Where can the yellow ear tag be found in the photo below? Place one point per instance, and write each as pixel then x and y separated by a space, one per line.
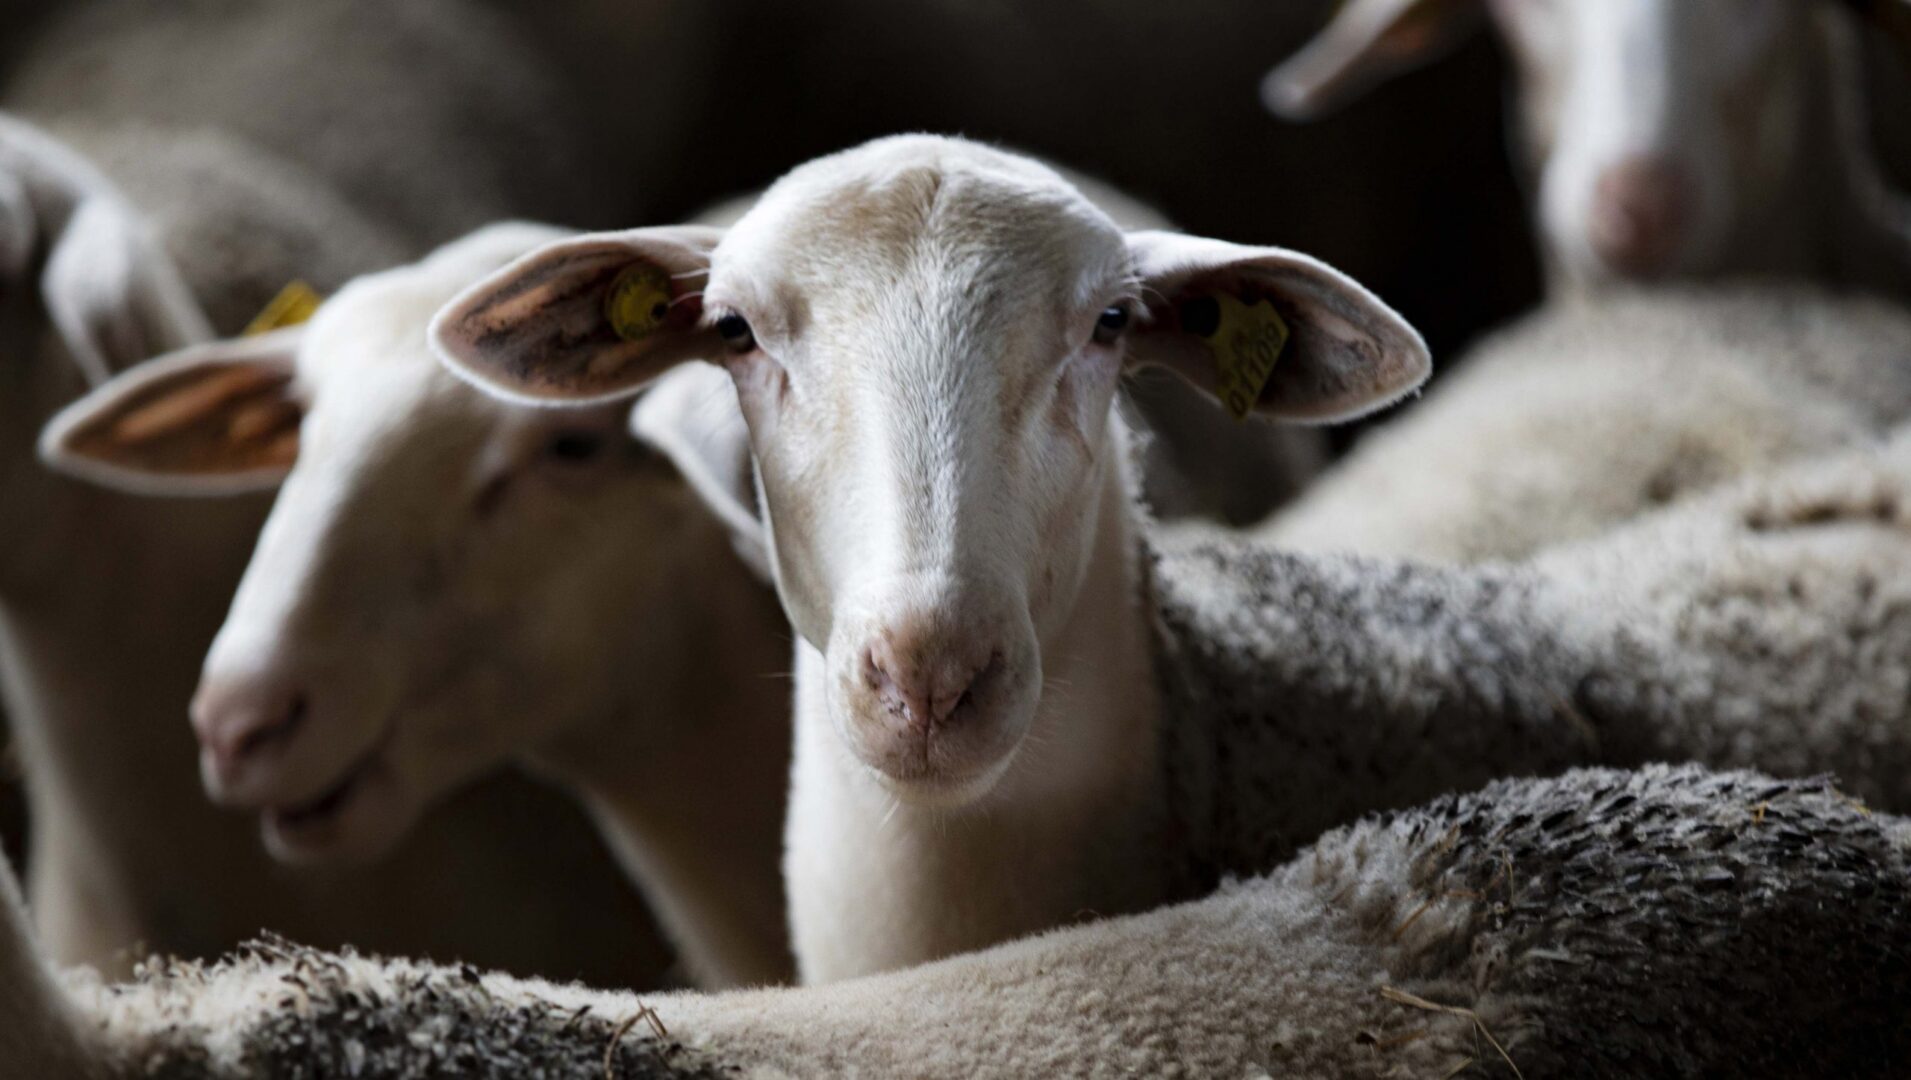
pixel 1246 338
pixel 294 304
pixel 638 301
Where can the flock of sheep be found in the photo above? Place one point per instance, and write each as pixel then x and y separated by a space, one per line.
pixel 818 550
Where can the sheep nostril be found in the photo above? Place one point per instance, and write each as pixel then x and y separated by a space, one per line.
pixel 271 731
pixel 1641 211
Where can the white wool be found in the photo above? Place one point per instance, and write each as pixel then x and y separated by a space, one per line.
pixel 1588 414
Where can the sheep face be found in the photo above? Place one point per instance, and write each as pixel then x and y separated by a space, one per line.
pixel 929 386
pixel 925 336
pixel 1662 135
pixel 1659 129
pixel 428 598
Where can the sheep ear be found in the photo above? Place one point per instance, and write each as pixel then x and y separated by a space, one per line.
pixel 219 419
pixel 691 416
pixel 583 320
pixel 1270 331
pixel 110 291
pixel 1367 43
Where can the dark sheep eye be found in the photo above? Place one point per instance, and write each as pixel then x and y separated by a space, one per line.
pixel 736 333
pixel 1112 322
pixel 575 446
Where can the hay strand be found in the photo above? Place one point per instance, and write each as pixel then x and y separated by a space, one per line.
pixel 1401 997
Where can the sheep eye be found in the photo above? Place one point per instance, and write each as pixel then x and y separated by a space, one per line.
pixel 574 447
pixel 736 333
pixel 1112 322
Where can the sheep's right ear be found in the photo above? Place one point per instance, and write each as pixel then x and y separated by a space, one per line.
pixel 692 417
pixel 583 320
pixel 1367 43
pixel 219 419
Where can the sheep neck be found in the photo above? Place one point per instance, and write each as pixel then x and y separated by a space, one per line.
pixel 138 593
pixel 693 807
pixel 1070 832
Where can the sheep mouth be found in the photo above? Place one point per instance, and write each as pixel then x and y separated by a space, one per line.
pixel 324 808
pixel 347 820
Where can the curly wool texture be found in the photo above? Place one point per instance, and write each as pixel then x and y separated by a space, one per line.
pixel 1603 923
pixel 1591 412
pixel 1765 626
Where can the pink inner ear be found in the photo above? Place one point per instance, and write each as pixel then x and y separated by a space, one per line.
pixel 1344 354
pixel 561 326
pixel 1197 311
pixel 205 421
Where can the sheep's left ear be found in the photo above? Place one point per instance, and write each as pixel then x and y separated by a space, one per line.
pixel 1270 331
pixel 1368 42
pixel 218 419
pixel 691 416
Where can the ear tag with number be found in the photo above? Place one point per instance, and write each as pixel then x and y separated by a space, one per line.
pixel 638 301
pixel 1246 337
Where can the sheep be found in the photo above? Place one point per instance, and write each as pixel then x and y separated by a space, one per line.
pixel 1595 409
pixel 1665 138
pixel 167 169
pixel 1666 922
pixel 1589 413
pixel 1007 711
pixel 447 581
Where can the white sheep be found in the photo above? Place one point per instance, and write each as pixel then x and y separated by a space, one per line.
pixel 1665 137
pixel 1665 922
pixel 185 162
pixel 1591 412
pixel 448 581
pixel 1009 713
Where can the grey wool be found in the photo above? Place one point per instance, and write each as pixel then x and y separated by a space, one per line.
pixel 1669 921
pixel 1766 625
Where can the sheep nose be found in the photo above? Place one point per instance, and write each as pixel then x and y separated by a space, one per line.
pixel 1641 209
pixel 925 687
pixel 241 723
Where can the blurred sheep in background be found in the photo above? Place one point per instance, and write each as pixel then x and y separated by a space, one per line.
pixel 190 161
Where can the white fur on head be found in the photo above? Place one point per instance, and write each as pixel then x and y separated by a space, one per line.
pixel 1690 111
